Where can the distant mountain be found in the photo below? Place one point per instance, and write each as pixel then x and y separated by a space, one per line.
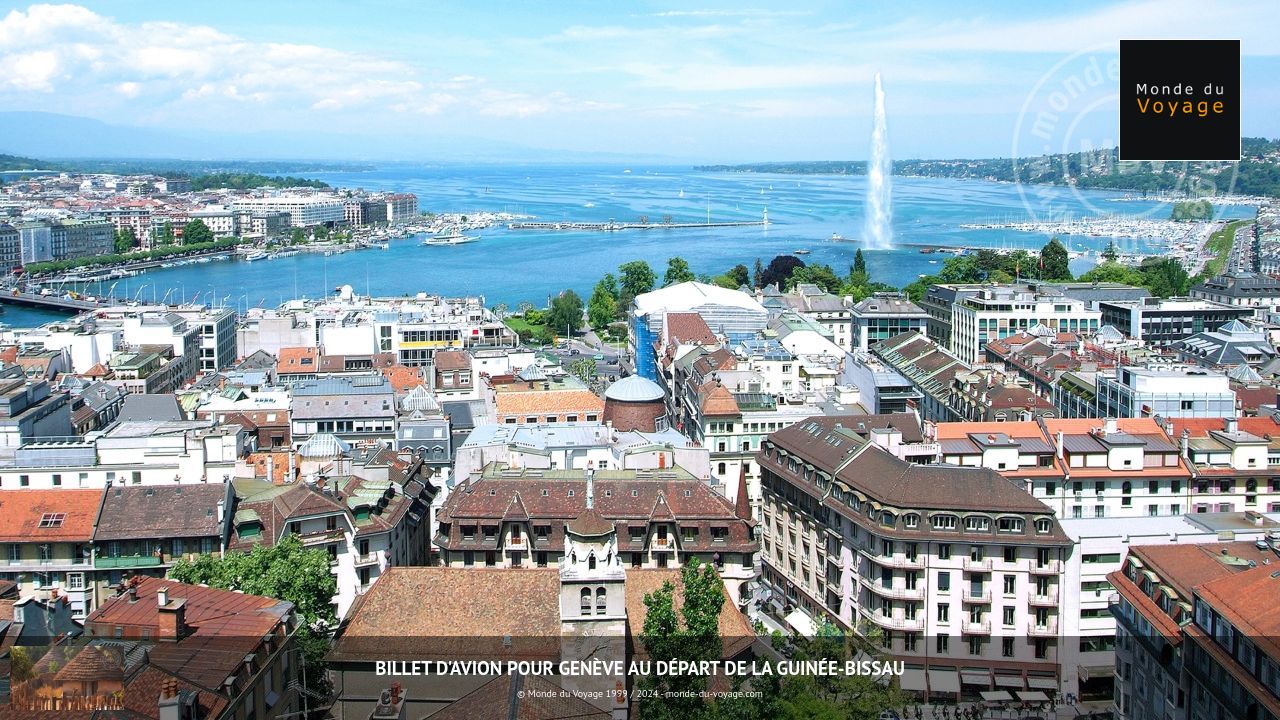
pixel 1257 173
pixel 54 136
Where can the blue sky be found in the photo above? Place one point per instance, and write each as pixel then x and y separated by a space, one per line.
pixel 689 80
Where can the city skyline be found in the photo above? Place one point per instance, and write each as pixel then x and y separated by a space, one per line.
pixel 664 82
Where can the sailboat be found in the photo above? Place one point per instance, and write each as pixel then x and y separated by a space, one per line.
pixel 681 192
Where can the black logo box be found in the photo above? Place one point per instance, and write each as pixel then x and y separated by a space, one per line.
pixel 1180 65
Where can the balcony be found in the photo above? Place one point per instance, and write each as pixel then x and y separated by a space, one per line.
pixel 1048 628
pixel 896 593
pixel 982 627
pixel 128 561
pixel 893 561
pixel 517 543
pixel 324 537
pixel 972 565
pixel 1052 567
pixel 50 564
pixel 368 559
pixel 976 596
pixel 897 623
pixel 663 544
pixel 1043 600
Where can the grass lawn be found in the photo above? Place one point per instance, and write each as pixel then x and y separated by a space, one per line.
pixel 1220 245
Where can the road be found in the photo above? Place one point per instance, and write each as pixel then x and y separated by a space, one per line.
pixel 608 366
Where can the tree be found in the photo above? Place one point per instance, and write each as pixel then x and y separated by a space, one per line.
pixel 584 368
pixel 196 232
pixel 677 272
pixel 739 275
pixel 125 241
pixel 166 235
pixel 1110 254
pixel 859 262
pixel 297 236
pixel 837 695
pixel 779 271
pixel 523 308
pixel 501 310
pixel 321 232
pixel 286 571
pixel 697 640
pixel 821 275
pixel 1165 277
pixel 637 278
pixel 21 668
pixel 757 274
pixel 1113 272
pixel 1054 261
pixel 565 313
pixel 602 308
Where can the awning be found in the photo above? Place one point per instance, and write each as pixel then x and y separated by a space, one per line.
pixel 801 623
pixel 1044 683
pixel 1033 696
pixel 912 678
pixel 944 681
pixel 975 677
pixel 1095 671
pixel 996 696
pixel 1014 681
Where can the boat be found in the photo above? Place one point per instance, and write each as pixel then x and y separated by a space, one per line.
pixel 836 237
pixel 451 238
pixel 928 250
pixel 802 252
pixel 589 205
pixel 255 255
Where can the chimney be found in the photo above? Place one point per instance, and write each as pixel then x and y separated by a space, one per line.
pixel 1232 424
pixel 133 594
pixel 1058 450
pixel 1185 443
pixel 391 704
pixel 591 487
pixel 162 596
pixel 173 620
pixel 1110 426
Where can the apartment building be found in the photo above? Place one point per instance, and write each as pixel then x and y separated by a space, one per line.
pixel 957 567
pixel 48 540
pixel 401 207
pixel 10 248
pixel 1163 390
pixel 30 410
pixel 1255 291
pixel 1195 629
pixel 815 304
pixel 882 316
pixel 352 408
pixel 304 210
pixel 996 312
pixel 1163 321
pixel 929 367
pixel 517 517
pixel 1235 463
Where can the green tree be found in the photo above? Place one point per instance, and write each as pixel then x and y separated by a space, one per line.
pixel 821 275
pixel 1165 277
pixel 779 271
pixel 1111 254
pixel 637 278
pixel 859 262
pixel 677 272
pixel 602 308
pixel 125 241
pixel 565 313
pixel 501 310
pixel 321 232
pixel 196 232
pixel 757 274
pixel 297 236
pixel 21 667
pixel 1054 261
pixel 286 571
pixel 838 695
pixel 739 275
pixel 665 637
pixel 166 235
pixel 584 368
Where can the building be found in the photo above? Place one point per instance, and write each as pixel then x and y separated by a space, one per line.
pixel 828 310
pixel 1164 321
pixel 10 248
pixel 635 403
pixel 264 223
pixel 304 210
pixel 47 537
pixel 1260 293
pixel 880 388
pixel 1195 629
pixel 997 312
pixel 65 239
pixel 30 410
pixel 929 367
pixel 1235 463
pixel 401 207
pixel 724 311
pixel 352 408
pixel 1229 346
pixel 531 397
pixel 517 517
pixel 222 222
pixel 882 316
pixel 958 568
pixel 366 523
pixel 451 374
pixel 1164 390
pixel 133 216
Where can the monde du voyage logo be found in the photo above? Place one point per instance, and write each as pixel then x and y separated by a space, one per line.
pixel 1180 100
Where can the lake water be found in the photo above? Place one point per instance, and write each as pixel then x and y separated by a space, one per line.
pixel 515 265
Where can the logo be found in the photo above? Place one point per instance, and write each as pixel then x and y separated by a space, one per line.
pixel 1180 100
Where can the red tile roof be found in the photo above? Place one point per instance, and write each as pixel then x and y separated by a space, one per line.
pixel 452 360
pixel 684 328
pixel 1200 427
pixel 60 515
pixel 298 360
pixel 403 378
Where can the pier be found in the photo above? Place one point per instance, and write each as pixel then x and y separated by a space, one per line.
pixel 612 226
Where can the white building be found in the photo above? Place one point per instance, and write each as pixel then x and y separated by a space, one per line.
pixel 304 210
pixel 997 312
pixel 1164 390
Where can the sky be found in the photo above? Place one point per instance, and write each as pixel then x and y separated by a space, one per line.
pixel 699 81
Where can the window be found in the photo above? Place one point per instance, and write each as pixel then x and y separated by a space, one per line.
pixel 1008 617
pixel 1011 525
pixel 57 480
pixel 585 602
pixel 51 520
pixel 468 558
pixel 24 481
pixel 490 558
pixel 944 551
pixel 601 603
pixel 944 613
pixel 1010 584
pixel 944 581
pixel 1010 554
pixel 1006 647
pixel 942 644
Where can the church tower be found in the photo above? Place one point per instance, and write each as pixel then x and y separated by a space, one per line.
pixel 593 605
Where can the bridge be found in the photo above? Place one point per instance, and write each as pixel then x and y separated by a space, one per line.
pixel 52 302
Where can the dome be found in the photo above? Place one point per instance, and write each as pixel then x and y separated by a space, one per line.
pixel 323 445
pixel 634 389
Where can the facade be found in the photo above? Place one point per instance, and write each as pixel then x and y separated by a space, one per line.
pixel 222 222
pixel 30 410
pixel 304 210
pixel 1164 390
pixel 65 239
pixel 1164 321
pixel 997 312
pixel 958 568
pixel 518 517
pixel 401 207
pixel 930 368
pixel 1194 632
pixel 882 316
pixel 47 537
pixel 1260 293
pixel 1235 463
pixel 881 388
pixel 10 248
pixel 723 311
pixel 829 311
pixel 352 408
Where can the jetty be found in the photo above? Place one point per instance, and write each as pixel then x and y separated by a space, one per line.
pixel 614 226
pixel 53 302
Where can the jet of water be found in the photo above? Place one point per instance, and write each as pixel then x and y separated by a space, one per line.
pixel 878 231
